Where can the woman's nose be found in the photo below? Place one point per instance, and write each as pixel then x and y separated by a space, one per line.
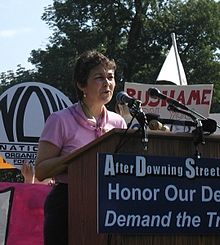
pixel 107 81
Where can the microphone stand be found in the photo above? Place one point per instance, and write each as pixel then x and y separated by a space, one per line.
pixel 137 112
pixel 197 133
pixel 196 113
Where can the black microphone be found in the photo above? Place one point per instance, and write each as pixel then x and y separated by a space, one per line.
pixel 209 125
pixel 155 93
pixel 123 98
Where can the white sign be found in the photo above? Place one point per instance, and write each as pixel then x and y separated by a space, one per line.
pixel 5 205
pixel 196 97
pixel 24 109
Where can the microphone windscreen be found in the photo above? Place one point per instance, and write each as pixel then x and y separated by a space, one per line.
pixel 120 97
pixel 153 92
pixel 209 125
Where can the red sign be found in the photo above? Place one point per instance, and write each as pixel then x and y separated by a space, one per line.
pixel 26 216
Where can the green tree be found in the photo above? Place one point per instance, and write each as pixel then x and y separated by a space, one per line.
pixel 137 34
pixel 10 78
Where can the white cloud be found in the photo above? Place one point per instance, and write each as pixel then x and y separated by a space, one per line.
pixel 10 33
pixel 7 33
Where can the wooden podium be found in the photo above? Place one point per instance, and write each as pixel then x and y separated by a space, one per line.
pixel 82 174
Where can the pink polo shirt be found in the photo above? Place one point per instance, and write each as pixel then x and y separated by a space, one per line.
pixel 69 129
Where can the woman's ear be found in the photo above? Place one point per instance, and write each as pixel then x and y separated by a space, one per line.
pixel 81 89
pixel 79 86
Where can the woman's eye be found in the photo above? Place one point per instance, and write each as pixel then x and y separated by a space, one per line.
pixel 103 78
pixel 99 78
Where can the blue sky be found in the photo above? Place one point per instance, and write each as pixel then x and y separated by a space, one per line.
pixel 21 30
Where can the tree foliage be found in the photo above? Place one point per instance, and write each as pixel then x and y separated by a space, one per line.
pixel 10 78
pixel 137 34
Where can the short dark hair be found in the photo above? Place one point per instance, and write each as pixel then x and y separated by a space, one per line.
pixel 85 63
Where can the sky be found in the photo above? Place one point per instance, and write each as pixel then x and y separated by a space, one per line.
pixel 21 31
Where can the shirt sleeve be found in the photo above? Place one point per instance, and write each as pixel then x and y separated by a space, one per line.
pixel 123 124
pixel 53 131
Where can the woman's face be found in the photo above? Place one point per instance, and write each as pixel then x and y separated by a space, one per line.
pixel 100 85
